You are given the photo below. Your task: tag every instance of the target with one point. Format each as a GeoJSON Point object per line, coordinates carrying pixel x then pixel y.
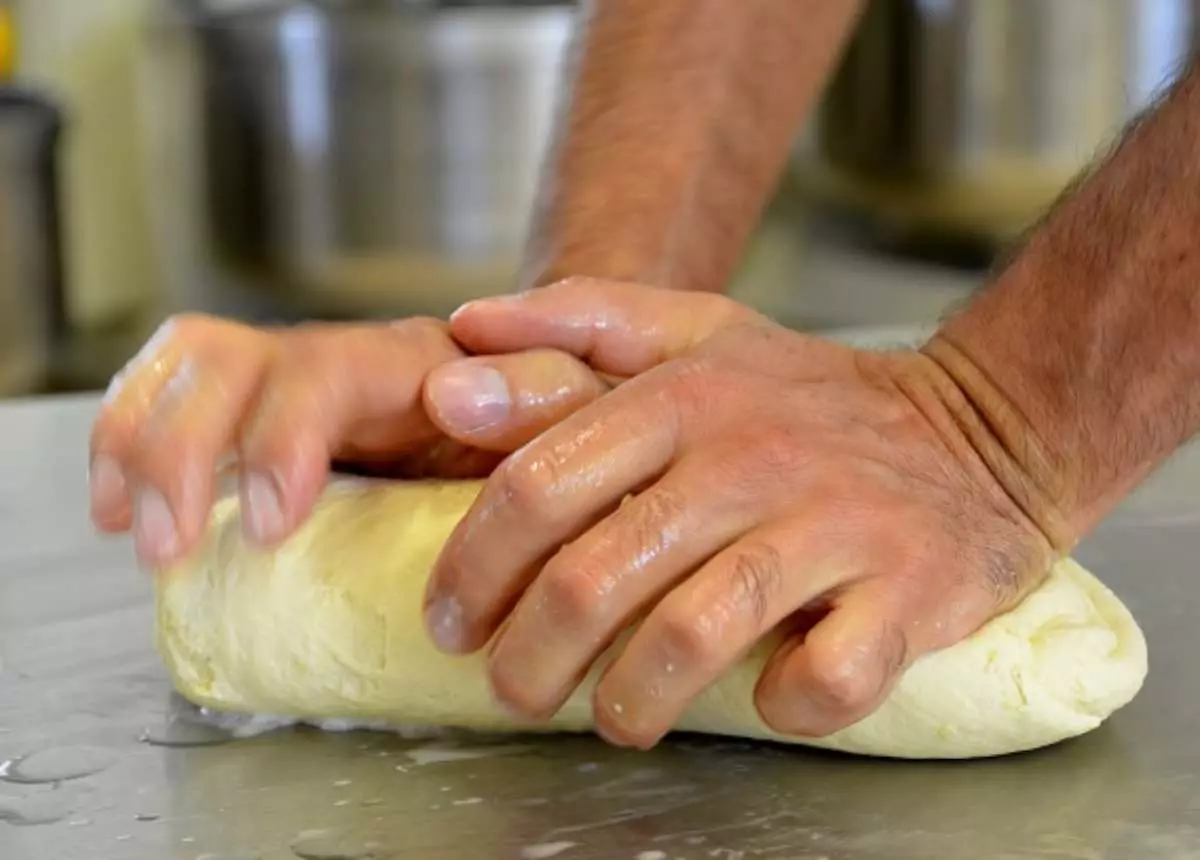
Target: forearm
{"type": "Point", "coordinates": [680, 118]}
{"type": "Point", "coordinates": [1084, 355]}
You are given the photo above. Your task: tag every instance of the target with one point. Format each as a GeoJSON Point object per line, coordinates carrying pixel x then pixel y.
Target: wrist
{"type": "Point", "coordinates": [1013, 450]}
{"type": "Point", "coordinates": [1083, 353]}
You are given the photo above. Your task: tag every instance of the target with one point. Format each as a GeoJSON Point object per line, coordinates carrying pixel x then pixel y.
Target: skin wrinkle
{"type": "Point", "coordinates": [969, 437]}
{"type": "Point", "coordinates": [1015, 434]}
{"type": "Point", "coordinates": [656, 522]}
{"type": "Point", "coordinates": [756, 579]}
{"type": "Point", "coordinates": [1109, 279]}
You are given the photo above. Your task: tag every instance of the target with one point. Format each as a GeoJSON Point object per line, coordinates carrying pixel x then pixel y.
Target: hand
{"type": "Point", "coordinates": [750, 480]}
{"type": "Point", "coordinates": [399, 398]}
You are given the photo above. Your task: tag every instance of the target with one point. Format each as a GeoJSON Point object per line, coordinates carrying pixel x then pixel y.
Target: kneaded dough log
{"type": "Point", "coordinates": [329, 626]}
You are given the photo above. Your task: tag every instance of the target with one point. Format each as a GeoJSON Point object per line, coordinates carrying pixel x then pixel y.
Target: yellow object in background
{"type": "Point", "coordinates": [8, 44]}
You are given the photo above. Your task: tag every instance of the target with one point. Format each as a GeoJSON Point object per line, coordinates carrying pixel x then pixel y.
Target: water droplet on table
{"type": "Point", "coordinates": [178, 730]}
{"type": "Point", "coordinates": [441, 754]}
{"type": "Point", "coordinates": [545, 850]}
{"type": "Point", "coordinates": [332, 845]}
{"type": "Point", "coordinates": [44, 808]}
{"type": "Point", "coordinates": [57, 764]}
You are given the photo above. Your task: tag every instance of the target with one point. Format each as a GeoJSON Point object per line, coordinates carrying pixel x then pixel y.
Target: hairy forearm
{"type": "Point", "coordinates": [680, 118]}
{"type": "Point", "coordinates": [1084, 355]}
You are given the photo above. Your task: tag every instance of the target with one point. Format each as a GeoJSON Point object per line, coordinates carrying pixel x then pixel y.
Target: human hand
{"type": "Point", "coordinates": [750, 480]}
{"type": "Point", "coordinates": [400, 399]}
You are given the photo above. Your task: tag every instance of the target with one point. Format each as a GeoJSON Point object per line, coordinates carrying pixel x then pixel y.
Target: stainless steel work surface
{"type": "Point", "coordinates": [84, 711]}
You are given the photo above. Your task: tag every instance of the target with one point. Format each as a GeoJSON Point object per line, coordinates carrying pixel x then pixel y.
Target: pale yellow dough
{"type": "Point", "coordinates": [329, 626]}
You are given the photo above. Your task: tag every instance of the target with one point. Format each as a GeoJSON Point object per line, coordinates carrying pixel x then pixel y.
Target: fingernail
{"type": "Point", "coordinates": [106, 482]}
{"type": "Point", "coordinates": [462, 309]}
{"type": "Point", "coordinates": [471, 397]}
{"type": "Point", "coordinates": [154, 526]}
{"type": "Point", "coordinates": [263, 512]}
{"type": "Point", "coordinates": [444, 620]}
{"type": "Point", "coordinates": [489, 302]}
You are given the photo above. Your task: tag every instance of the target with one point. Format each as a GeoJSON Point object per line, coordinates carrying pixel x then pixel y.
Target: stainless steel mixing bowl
{"type": "Point", "coordinates": [368, 157]}
{"type": "Point", "coordinates": [968, 117]}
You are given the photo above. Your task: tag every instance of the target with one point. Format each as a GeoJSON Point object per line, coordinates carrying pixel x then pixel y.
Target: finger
{"type": "Point", "coordinates": [194, 424]}
{"type": "Point", "coordinates": [128, 404]}
{"type": "Point", "coordinates": [615, 327]}
{"type": "Point", "coordinates": [846, 666]}
{"type": "Point", "coordinates": [699, 630]}
{"type": "Point", "coordinates": [909, 606]}
{"type": "Point", "coordinates": [129, 398]}
{"type": "Point", "coordinates": [340, 393]}
{"type": "Point", "coordinates": [542, 496]}
{"type": "Point", "coordinates": [500, 403]}
{"type": "Point", "coordinates": [595, 587]}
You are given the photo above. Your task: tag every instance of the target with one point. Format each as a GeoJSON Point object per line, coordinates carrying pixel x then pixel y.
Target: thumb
{"type": "Point", "coordinates": [616, 327]}
{"type": "Point", "coordinates": [498, 403]}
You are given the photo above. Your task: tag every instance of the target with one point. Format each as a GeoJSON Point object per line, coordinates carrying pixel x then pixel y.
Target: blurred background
{"type": "Point", "coordinates": [343, 159]}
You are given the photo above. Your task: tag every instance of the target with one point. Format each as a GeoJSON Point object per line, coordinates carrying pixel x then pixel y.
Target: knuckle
{"type": "Point", "coordinates": [528, 486]}
{"type": "Point", "coordinates": [572, 592]}
{"type": "Point", "coordinates": [687, 639]}
{"type": "Point", "coordinates": [777, 450]}
{"type": "Point", "coordinates": [185, 333]}
{"type": "Point", "coordinates": [847, 682]}
{"type": "Point", "coordinates": [519, 697]}
{"type": "Point", "coordinates": [756, 576]}
{"type": "Point", "coordinates": [839, 682]}
{"type": "Point", "coordinates": [112, 432]}
{"type": "Point", "coordinates": [186, 327]}
{"type": "Point", "coordinates": [696, 388]}
{"type": "Point", "coordinates": [650, 519]}
{"type": "Point", "coordinates": [161, 458]}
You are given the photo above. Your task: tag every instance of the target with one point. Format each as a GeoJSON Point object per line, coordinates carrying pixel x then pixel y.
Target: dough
{"type": "Point", "coordinates": [329, 626]}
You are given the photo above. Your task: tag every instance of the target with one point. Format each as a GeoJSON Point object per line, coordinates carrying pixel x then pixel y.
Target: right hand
{"type": "Point", "coordinates": [285, 404]}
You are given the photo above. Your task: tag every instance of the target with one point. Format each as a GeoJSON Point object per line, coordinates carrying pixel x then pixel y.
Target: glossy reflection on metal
{"type": "Point", "coordinates": [975, 114]}
{"type": "Point", "coordinates": [363, 156]}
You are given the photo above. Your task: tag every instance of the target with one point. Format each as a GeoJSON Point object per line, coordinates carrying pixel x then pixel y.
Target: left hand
{"type": "Point", "coordinates": [285, 405]}
{"type": "Point", "coordinates": [750, 479]}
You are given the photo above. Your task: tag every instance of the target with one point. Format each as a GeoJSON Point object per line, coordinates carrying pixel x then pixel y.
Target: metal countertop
{"type": "Point", "coordinates": [80, 685]}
